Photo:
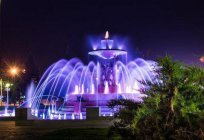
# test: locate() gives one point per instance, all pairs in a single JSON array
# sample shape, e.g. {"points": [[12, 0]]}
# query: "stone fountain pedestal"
{"points": [[92, 113], [24, 114]]}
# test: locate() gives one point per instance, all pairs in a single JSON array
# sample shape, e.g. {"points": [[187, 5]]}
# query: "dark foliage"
{"points": [[174, 108]]}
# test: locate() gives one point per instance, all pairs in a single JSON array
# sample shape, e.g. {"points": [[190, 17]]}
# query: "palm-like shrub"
{"points": [[174, 108], [124, 115]]}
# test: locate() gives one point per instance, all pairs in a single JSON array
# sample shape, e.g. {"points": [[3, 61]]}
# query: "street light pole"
{"points": [[1, 83], [7, 88], [7, 98]]}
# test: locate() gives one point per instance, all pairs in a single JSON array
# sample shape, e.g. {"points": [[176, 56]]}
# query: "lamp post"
{"points": [[1, 90], [7, 88]]}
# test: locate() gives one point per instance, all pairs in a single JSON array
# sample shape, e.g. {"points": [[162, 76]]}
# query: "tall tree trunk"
{"points": [[173, 93], [172, 105]]}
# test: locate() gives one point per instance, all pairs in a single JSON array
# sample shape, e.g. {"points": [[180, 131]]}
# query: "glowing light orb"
{"points": [[202, 59], [14, 71], [107, 35]]}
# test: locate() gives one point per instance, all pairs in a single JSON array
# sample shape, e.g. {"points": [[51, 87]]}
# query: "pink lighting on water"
{"points": [[107, 35], [106, 91], [76, 90], [92, 89]]}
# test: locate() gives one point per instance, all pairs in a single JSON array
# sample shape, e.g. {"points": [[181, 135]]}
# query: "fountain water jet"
{"points": [[29, 91]]}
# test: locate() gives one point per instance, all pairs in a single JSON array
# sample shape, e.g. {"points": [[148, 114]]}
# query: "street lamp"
{"points": [[7, 88], [1, 89]]}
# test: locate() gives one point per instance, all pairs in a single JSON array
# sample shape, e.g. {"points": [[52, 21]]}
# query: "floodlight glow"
{"points": [[8, 85], [107, 35]]}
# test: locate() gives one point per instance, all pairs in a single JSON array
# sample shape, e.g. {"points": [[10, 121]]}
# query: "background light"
{"points": [[7, 85]]}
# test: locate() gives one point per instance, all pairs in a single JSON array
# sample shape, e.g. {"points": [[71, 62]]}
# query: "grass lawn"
{"points": [[80, 134]]}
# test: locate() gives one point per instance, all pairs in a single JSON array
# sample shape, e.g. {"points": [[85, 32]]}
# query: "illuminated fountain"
{"points": [[68, 87]]}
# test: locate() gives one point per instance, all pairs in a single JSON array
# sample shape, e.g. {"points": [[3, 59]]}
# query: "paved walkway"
{"points": [[29, 130], [8, 131]]}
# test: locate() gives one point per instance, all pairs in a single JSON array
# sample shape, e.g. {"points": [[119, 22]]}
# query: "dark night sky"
{"points": [[53, 29]]}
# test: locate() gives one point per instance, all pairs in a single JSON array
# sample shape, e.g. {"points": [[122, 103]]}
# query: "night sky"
{"points": [[50, 30]]}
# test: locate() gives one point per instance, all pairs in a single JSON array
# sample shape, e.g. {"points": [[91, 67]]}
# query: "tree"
{"points": [[174, 107], [31, 74], [124, 115]]}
